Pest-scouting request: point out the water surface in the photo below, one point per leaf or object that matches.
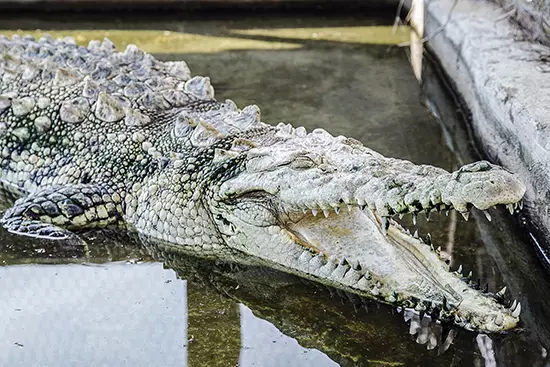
(114, 303)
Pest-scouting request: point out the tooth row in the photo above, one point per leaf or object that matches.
(515, 307)
(358, 278)
(422, 308)
(511, 209)
(465, 214)
(339, 270)
(326, 212)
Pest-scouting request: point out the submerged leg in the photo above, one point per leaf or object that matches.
(52, 212)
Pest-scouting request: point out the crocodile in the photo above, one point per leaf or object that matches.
(93, 138)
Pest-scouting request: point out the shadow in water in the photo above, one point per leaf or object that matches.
(350, 330)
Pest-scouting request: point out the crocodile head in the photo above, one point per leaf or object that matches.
(322, 207)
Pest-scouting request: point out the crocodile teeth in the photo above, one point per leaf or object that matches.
(459, 271)
(487, 215)
(510, 208)
(521, 204)
(314, 212)
(517, 311)
(501, 292)
(304, 210)
(513, 306)
(465, 215)
(499, 320)
(325, 212)
(305, 257)
(414, 218)
(350, 207)
(415, 235)
(337, 210)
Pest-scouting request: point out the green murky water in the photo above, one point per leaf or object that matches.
(115, 304)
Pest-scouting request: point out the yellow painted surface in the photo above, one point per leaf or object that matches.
(158, 41)
(376, 35)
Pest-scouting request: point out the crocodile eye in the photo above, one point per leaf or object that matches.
(302, 163)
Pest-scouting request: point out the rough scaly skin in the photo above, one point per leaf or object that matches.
(91, 138)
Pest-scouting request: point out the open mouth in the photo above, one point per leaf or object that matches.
(374, 255)
(338, 225)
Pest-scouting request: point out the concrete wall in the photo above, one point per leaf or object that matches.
(533, 16)
(504, 80)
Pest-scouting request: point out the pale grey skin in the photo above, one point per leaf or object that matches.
(91, 138)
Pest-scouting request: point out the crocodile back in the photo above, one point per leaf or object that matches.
(73, 114)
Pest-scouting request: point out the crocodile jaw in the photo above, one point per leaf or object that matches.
(348, 249)
(405, 271)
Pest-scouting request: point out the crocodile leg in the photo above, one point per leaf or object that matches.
(51, 213)
(9, 193)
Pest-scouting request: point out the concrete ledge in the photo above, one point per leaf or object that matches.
(505, 83)
(533, 15)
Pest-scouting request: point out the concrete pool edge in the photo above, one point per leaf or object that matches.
(504, 82)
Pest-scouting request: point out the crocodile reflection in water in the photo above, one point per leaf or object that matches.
(348, 335)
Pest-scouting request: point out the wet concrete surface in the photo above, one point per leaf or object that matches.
(140, 314)
(503, 77)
